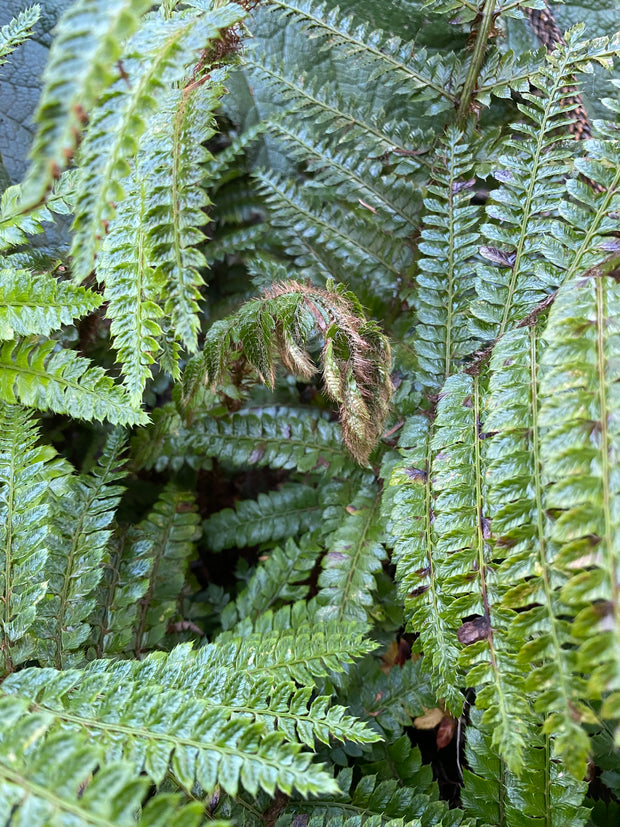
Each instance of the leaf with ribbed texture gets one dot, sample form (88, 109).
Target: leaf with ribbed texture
(89, 40)
(579, 393)
(170, 532)
(44, 377)
(282, 575)
(283, 513)
(444, 272)
(199, 740)
(27, 469)
(83, 516)
(543, 794)
(354, 556)
(304, 439)
(40, 303)
(18, 30)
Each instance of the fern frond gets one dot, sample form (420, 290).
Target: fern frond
(354, 556)
(284, 513)
(492, 794)
(133, 291)
(328, 242)
(449, 241)
(356, 356)
(160, 731)
(14, 33)
(421, 75)
(279, 577)
(26, 471)
(83, 517)
(170, 530)
(301, 438)
(578, 391)
(531, 190)
(39, 304)
(42, 376)
(89, 40)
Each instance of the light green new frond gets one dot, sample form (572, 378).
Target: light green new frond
(39, 304)
(282, 575)
(169, 531)
(517, 508)
(17, 224)
(523, 207)
(543, 794)
(161, 730)
(418, 74)
(44, 377)
(89, 40)
(133, 291)
(301, 438)
(285, 512)
(579, 392)
(450, 240)
(83, 515)
(26, 472)
(354, 556)
(14, 33)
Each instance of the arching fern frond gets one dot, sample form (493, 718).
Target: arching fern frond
(279, 437)
(89, 40)
(39, 304)
(42, 376)
(278, 515)
(356, 355)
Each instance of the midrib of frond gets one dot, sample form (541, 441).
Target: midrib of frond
(105, 608)
(356, 556)
(329, 229)
(364, 47)
(451, 265)
(563, 680)
(151, 734)
(543, 128)
(606, 468)
(42, 378)
(23, 781)
(346, 118)
(347, 172)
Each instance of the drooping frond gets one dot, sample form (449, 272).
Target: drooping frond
(279, 437)
(579, 387)
(26, 471)
(18, 30)
(89, 40)
(284, 513)
(43, 377)
(83, 515)
(39, 304)
(354, 555)
(356, 355)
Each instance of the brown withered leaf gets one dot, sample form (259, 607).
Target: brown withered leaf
(430, 719)
(446, 731)
(473, 630)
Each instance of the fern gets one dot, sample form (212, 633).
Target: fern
(15, 32)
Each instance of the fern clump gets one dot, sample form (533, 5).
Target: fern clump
(308, 438)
